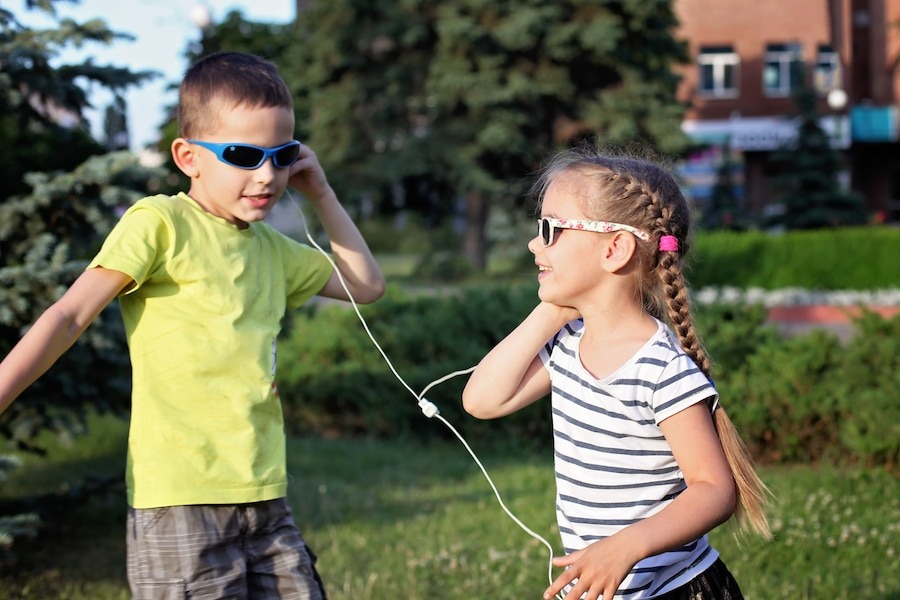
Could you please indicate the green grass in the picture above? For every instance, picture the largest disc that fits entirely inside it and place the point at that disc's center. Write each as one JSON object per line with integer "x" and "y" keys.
{"x": 401, "y": 519}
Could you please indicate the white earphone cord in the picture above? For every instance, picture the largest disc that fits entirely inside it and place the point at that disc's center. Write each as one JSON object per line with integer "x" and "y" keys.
{"x": 428, "y": 408}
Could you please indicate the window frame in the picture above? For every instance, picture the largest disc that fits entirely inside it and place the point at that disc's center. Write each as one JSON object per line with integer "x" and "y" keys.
{"x": 719, "y": 59}
{"x": 828, "y": 72}
{"x": 783, "y": 56}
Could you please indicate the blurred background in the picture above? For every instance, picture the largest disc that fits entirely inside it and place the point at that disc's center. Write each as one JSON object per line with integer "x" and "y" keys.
{"x": 779, "y": 118}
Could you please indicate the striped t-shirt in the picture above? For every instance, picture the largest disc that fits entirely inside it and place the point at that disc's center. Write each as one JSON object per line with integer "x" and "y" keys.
{"x": 613, "y": 464}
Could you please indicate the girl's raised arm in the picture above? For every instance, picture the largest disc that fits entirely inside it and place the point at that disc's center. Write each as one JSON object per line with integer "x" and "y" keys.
{"x": 511, "y": 375}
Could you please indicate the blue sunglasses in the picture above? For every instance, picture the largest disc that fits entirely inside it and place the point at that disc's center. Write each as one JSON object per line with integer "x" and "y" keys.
{"x": 248, "y": 156}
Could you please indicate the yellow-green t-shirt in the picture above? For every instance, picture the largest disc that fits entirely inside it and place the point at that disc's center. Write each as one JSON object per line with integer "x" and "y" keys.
{"x": 202, "y": 321}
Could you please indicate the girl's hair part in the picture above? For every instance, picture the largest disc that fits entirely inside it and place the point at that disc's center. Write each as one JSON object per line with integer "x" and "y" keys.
{"x": 227, "y": 80}
{"x": 640, "y": 192}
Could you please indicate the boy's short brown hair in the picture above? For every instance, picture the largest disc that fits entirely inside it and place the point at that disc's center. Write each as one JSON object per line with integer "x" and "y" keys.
{"x": 227, "y": 79}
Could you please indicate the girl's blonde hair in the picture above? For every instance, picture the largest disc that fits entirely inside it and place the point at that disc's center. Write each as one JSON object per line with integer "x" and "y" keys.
{"x": 641, "y": 193}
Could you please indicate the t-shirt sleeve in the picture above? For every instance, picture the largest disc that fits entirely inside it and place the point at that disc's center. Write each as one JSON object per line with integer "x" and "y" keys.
{"x": 306, "y": 271}
{"x": 546, "y": 352}
{"x": 135, "y": 245}
{"x": 681, "y": 384}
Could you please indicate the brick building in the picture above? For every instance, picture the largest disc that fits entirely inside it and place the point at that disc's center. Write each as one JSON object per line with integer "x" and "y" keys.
{"x": 739, "y": 88}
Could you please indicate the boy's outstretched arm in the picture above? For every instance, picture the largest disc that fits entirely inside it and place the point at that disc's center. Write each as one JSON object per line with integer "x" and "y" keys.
{"x": 351, "y": 253}
{"x": 57, "y": 329}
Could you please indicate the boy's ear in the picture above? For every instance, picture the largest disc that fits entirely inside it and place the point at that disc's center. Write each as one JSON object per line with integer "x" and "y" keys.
{"x": 618, "y": 250}
{"x": 184, "y": 157}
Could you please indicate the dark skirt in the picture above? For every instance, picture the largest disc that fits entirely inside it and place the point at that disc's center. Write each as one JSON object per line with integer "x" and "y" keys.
{"x": 715, "y": 583}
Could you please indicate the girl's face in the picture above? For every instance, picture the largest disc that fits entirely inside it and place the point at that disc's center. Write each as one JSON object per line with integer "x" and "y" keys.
{"x": 569, "y": 268}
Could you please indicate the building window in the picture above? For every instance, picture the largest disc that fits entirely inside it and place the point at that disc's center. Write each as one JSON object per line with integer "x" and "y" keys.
{"x": 827, "y": 75}
{"x": 783, "y": 69}
{"x": 718, "y": 72}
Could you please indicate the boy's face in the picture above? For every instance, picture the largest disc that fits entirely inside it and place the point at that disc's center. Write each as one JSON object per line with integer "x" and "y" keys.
{"x": 240, "y": 196}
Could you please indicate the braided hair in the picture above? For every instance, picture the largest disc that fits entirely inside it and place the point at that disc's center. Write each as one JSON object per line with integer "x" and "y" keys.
{"x": 640, "y": 192}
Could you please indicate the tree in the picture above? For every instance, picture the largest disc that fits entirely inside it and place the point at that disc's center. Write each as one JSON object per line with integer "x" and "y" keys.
{"x": 42, "y": 105}
{"x": 59, "y": 196}
{"x": 807, "y": 174}
{"x": 471, "y": 95}
{"x": 724, "y": 211}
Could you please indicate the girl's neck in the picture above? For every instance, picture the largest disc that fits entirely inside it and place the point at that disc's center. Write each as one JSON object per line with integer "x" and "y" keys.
{"x": 613, "y": 333}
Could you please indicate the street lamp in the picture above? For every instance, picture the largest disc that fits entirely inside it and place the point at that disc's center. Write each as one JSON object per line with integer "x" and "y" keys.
{"x": 837, "y": 101}
{"x": 201, "y": 17}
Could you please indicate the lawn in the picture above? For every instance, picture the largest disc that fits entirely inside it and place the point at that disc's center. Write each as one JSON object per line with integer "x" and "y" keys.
{"x": 404, "y": 519}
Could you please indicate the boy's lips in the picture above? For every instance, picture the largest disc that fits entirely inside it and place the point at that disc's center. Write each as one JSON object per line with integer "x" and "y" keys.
{"x": 258, "y": 201}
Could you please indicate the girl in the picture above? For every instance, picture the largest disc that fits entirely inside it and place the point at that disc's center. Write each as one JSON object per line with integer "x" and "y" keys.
{"x": 646, "y": 460}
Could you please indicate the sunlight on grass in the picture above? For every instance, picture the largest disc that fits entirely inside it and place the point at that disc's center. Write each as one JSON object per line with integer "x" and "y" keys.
{"x": 392, "y": 519}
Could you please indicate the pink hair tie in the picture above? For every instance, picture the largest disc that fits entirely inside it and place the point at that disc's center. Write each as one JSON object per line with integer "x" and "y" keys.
{"x": 668, "y": 243}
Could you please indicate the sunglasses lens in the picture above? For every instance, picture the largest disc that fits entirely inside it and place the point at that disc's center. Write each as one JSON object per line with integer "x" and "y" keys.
{"x": 287, "y": 155}
{"x": 546, "y": 231}
{"x": 245, "y": 157}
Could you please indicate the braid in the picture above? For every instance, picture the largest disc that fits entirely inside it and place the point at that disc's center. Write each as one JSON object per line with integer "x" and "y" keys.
{"x": 673, "y": 298}
{"x": 677, "y": 299}
{"x": 640, "y": 193}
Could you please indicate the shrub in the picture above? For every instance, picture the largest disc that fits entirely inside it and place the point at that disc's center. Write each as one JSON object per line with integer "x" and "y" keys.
{"x": 805, "y": 398}
{"x": 856, "y": 258}
{"x": 867, "y": 389}
{"x": 778, "y": 400}
{"x": 335, "y": 380}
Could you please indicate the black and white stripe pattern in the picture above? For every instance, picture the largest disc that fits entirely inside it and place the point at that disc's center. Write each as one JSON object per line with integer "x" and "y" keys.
{"x": 613, "y": 464}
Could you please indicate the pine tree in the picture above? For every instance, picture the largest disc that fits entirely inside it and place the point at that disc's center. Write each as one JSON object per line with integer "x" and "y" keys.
{"x": 59, "y": 196}
{"x": 806, "y": 174}
{"x": 723, "y": 211}
{"x": 42, "y": 104}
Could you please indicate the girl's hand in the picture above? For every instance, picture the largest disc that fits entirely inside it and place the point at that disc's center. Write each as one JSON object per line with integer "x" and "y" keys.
{"x": 559, "y": 315}
{"x": 600, "y": 569}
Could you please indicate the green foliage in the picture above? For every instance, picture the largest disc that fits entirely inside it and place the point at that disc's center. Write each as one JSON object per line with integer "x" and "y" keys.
{"x": 733, "y": 332}
{"x": 35, "y": 95}
{"x": 799, "y": 399}
{"x": 462, "y": 99}
{"x": 394, "y": 518}
{"x": 46, "y": 238}
{"x": 867, "y": 387}
{"x": 781, "y": 402}
{"x": 17, "y": 525}
{"x": 852, "y": 258}
{"x": 335, "y": 380}
{"x": 807, "y": 174}
{"x": 812, "y": 398}
{"x": 723, "y": 211}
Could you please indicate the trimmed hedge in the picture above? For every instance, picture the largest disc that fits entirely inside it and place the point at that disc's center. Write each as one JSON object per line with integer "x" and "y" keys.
{"x": 806, "y": 398}
{"x": 854, "y": 258}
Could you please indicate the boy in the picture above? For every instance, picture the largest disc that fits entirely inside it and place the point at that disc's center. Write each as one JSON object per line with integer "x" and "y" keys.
{"x": 203, "y": 286}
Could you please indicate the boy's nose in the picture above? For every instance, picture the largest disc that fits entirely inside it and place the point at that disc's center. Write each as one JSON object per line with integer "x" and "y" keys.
{"x": 266, "y": 171}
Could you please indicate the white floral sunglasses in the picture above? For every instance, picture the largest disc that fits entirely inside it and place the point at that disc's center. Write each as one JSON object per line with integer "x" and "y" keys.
{"x": 547, "y": 227}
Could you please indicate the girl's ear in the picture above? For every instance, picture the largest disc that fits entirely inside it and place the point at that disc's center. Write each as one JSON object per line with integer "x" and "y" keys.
{"x": 618, "y": 250}
{"x": 184, "y": 157}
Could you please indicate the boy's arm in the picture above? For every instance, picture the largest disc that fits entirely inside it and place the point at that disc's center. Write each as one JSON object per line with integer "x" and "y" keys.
{"x": 56, "y": 330}
{"x": 351, "y": 253}
{"x": 511, "y": 376}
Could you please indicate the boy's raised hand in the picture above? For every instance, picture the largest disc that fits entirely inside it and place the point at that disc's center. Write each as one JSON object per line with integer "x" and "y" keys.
{"x": 307, "y": 175}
